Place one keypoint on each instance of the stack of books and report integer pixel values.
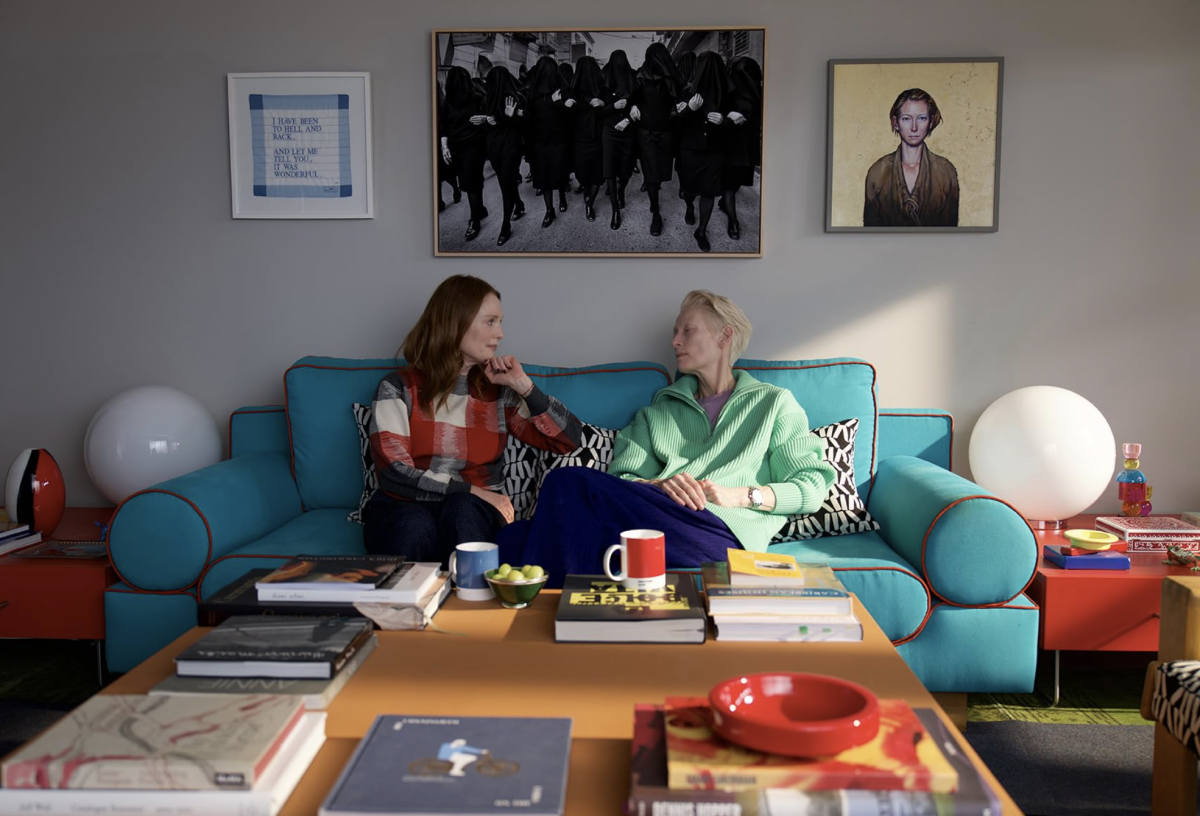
(1080, 558)
(348, 579)
(809, 605)
(220, 756)
(15, 536)
(593, 608)
(1151, 533)
(680, 765)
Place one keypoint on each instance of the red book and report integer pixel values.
(902, 756)
(1119, 546)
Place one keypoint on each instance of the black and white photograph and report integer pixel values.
(612, 141)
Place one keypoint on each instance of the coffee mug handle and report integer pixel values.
(454, 568)
(608, 558)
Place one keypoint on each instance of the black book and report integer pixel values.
(240, 597)
(594, 608)
(263, 646)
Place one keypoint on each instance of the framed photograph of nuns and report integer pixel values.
(914, 145)
(614, 141)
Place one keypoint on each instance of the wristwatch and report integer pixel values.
(756, 497)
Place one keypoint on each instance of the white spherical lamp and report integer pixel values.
(1045, 450)
(147, 435)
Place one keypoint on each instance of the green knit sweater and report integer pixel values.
(761, 438)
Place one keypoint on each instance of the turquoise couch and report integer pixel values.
(944, 576)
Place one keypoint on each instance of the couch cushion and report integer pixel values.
(842, 512)
(829, 391)
(327, 459)
(885, 583)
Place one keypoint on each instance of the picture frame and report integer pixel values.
(887, 170)
(300, 145)
(582, 139)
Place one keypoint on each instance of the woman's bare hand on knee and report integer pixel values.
(502, 503)
(684, 489)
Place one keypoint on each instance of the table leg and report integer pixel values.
(1056, 687)
(100, 662)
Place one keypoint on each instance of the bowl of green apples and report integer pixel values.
(516, 587)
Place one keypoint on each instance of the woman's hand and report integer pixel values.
(510, 106)
(478, 119)
(507, 370)
(491, 120)
(557, 95)
(502, 503)
(724, 496)
(684, 489)
(619, 126)
(681, 107)
(695, 102)
(570, 103)
(635, 114)
(446, 153)
(715, 118)
(596, 102)
(737, 118)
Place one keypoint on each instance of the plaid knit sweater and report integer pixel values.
(423, 456)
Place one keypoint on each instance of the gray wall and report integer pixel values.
(122, 266)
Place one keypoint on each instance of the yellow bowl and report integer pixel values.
(1090, 539)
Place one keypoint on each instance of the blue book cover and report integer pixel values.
(1104, 560)
(455, 765)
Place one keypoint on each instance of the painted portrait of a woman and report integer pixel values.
(912, 187)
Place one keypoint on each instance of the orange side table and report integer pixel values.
(1097, 610)
(61, 598)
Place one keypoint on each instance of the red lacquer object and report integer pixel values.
(803, 715)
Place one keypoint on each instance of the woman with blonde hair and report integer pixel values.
(717, 460)
(440, 424)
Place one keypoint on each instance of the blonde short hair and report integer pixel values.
(722, 312)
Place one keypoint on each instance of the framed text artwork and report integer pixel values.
(598, 141)
(300, 145)
(913, 145)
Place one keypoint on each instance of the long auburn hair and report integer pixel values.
(432, 347)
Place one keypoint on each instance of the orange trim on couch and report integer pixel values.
(949, 416)
(874, 404)
(925, 544)
(915, 577)
(108, 542)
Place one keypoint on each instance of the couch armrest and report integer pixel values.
(972, 548)
(162, 538)
(926, 433)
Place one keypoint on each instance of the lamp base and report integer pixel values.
(1047, 524)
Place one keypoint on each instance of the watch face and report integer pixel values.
(756, 497)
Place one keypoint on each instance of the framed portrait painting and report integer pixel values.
(598, 141)
(300, 145)
(913, 145)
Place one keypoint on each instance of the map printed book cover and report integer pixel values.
(455, 765)
(902, 756)
(134, 741)
(266, 646)
(594, 608)
(821, 594)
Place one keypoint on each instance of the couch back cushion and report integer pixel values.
(829, 391)
(319, 392)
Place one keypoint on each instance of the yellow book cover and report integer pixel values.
(902, 756)
(763, 569)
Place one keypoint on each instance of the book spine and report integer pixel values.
(134, 802)
(653, 801)
(1161, 545)
(692, 775)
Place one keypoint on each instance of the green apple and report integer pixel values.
(503, 573)
(533, 572)
(503, 568)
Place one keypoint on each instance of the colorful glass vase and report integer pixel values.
(1132, 490)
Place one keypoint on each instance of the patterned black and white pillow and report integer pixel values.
(595, 451)
(842, 512)
(522, 469)
(362, 420)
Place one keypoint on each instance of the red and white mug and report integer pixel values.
(643, 560)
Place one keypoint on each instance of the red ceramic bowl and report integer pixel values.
(802, 715)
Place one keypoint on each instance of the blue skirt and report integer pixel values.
(581, 513)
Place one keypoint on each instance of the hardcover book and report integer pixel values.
(788, 628)
(55, 548)
(134, 741)
(1148, 528)
(650, 796)
(18, 542)
(822, 593)
(314, 694)
(12, 529)
(455, 765)
(327, 572)
(748, 568)
(1103, 560)
(902, 756)
(593, 608)
(265, 646)
(265, 798)
(405, 585)
(1116, 546)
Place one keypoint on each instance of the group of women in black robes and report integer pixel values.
(698, 118)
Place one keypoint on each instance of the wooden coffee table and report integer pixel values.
(1097, 610)
(506, 661)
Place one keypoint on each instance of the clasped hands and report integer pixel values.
(694, 493)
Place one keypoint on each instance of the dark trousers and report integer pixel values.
(427, 530)
(581, 512)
